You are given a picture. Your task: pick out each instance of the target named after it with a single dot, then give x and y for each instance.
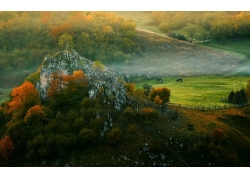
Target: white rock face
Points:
(113, 92)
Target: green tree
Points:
(34, 77)
(66, 41)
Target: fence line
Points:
(208, 107)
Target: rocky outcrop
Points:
(102, 83)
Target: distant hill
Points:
(161, 55)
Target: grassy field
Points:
(198, 90)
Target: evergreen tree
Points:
(238, 99)
(243, 94)
(231, 96)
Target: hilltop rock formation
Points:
(102, 82)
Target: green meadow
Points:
(198, 90)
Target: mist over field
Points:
(162, 56)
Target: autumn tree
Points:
(23, 96)
(35, 116)
(157, 100)
(130, 87)
(6, 147)
(66, 90)
(163, 93)
(56, 83)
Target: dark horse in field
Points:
(159, 80)
(179, 80)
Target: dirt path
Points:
(138, 29)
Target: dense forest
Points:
(26, 37)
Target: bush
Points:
(218, 135)
(114, 136)
(149, 114)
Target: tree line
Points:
(204, 25)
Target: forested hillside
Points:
(204, 25)
(26, 37)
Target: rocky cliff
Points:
(103, 83)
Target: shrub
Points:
(218, 135)
(149, 113)
(114, 136)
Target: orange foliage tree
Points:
(24, 95)
(6, 147)
(157, 100)
(77, 79)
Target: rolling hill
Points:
(160, 55)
